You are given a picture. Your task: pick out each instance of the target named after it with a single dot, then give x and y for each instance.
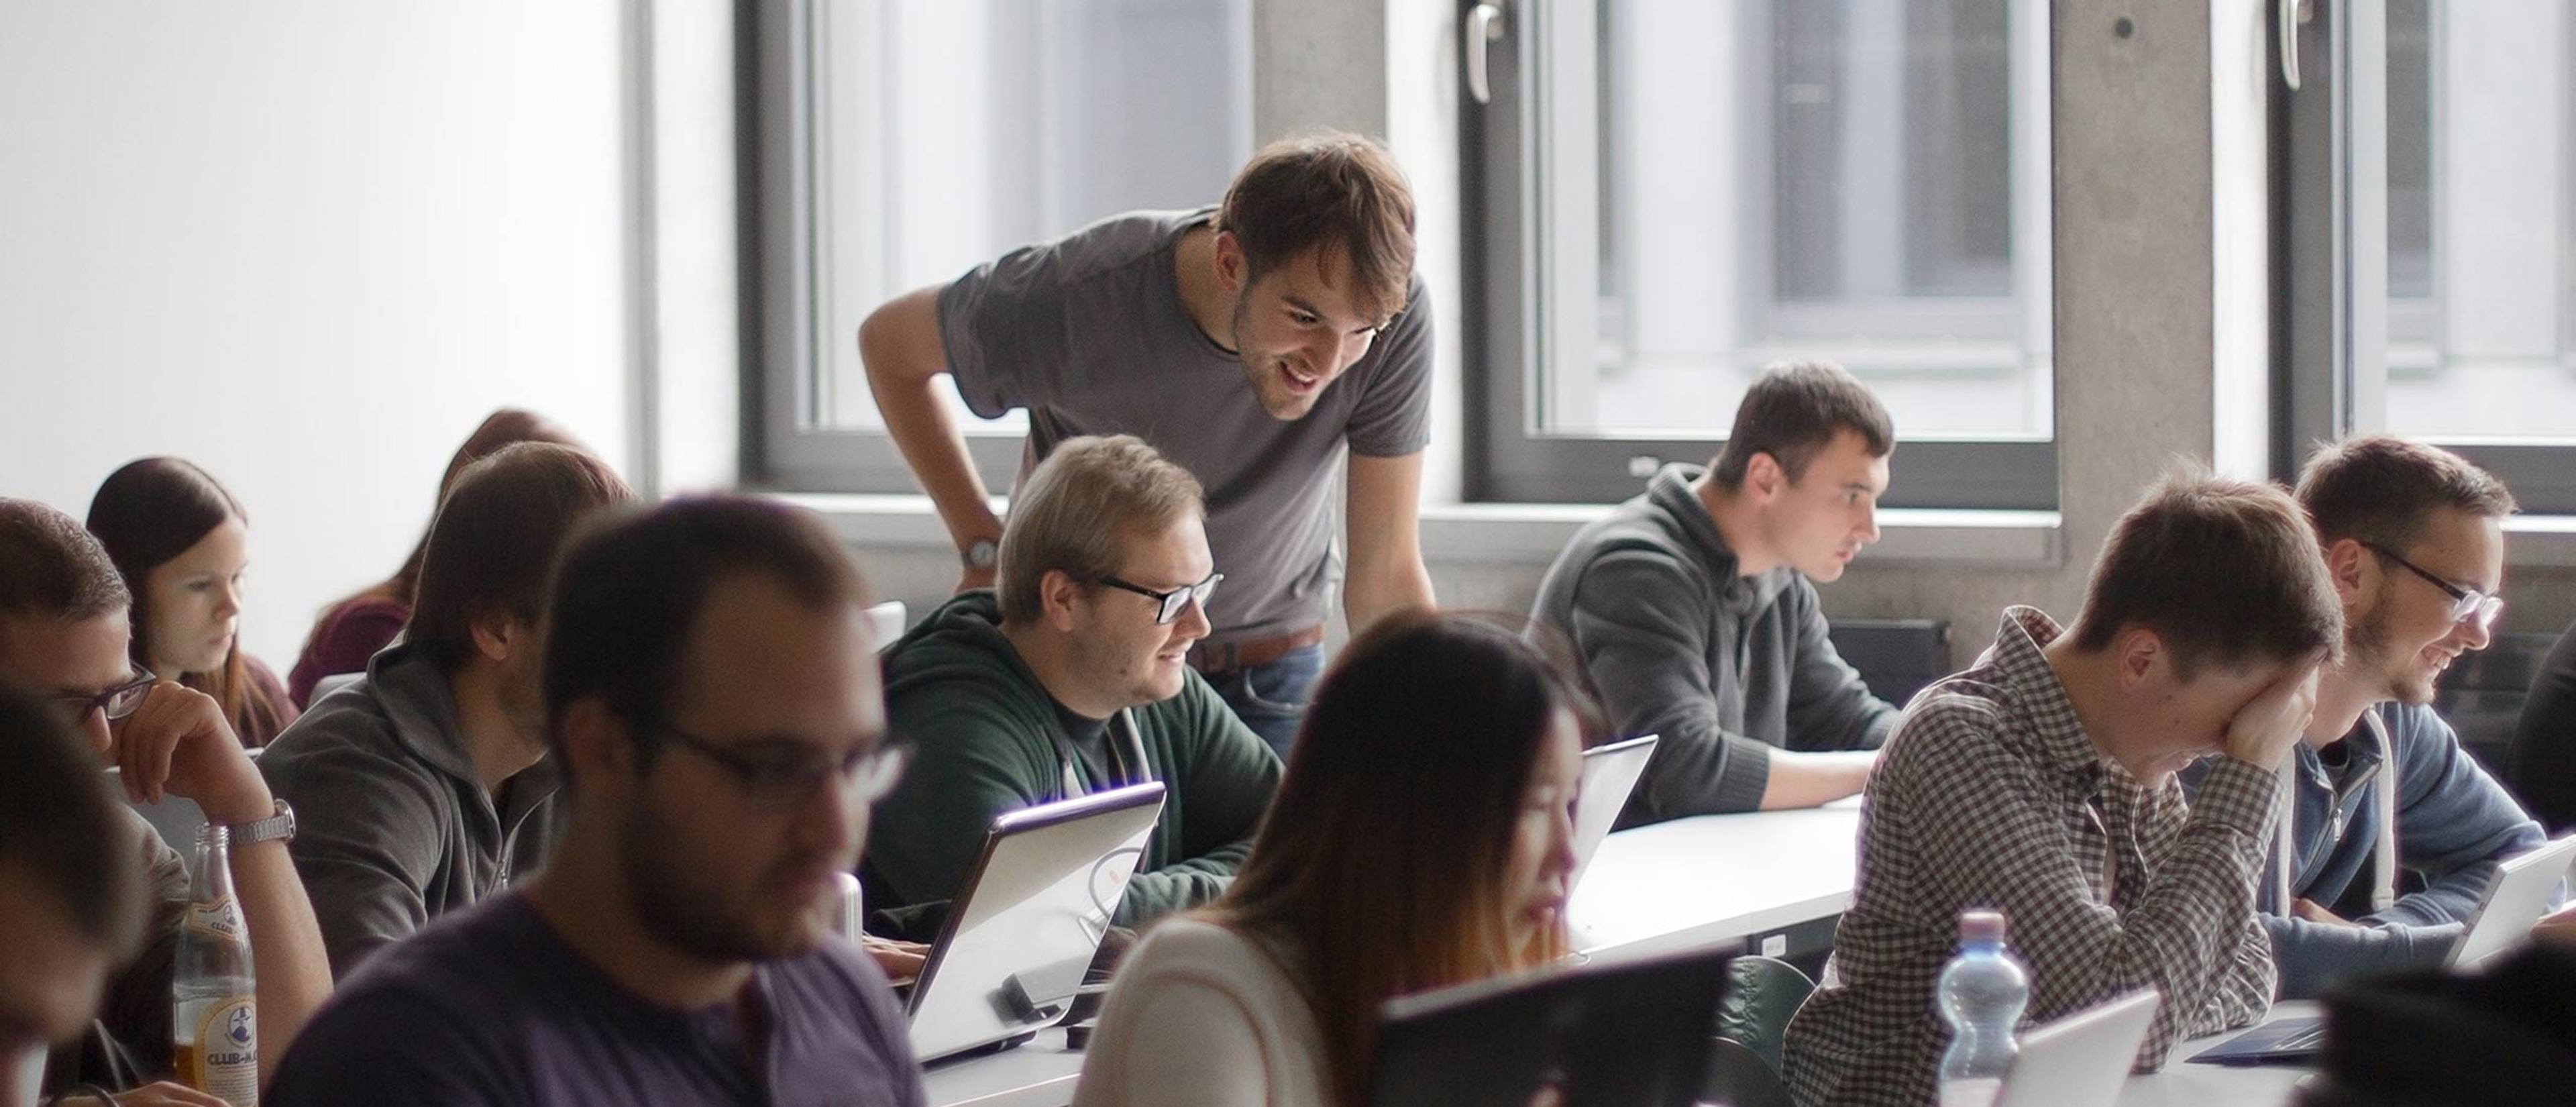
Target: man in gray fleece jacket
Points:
(423, 788)
(1693, 609)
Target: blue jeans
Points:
(1271, 699)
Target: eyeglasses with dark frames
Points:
(866, 775)
(116, 703)
(1169, 605)
(2468, 605)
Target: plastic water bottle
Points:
(1982, 993)
(216, 1025)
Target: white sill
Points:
(2540, 542)
(1535, 532)
(1523, 532)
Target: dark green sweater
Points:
(988, 741)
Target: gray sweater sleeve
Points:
(1640, 625)
(1829, 706)
(2312, 957)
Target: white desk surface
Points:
(1681, 885)
(2183, 1084)
(1669, 887)
(1039, 1074)
(1695, 883)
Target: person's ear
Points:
(1763, 477)
(2138, 654)
(597, 745)
(1233, 269)
(1058, 597)
(2352, 569)
(496, 632)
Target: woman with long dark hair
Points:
(182, 543)
(1423, 837)
(352, 629)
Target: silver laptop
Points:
(2083, 1059)
(1610, 773)
(2516, 896)
(1029, 919)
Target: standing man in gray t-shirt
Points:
(1223, 338)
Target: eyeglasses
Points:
(2468, 605)
(115, 703)
(782, 783)
(1175, 601)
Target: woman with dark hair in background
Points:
(1423, 837)
(351, 630)
(182, 543)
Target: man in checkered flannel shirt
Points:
(2041, 782)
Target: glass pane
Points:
(2481, 217)
(1861, 180)
(952, 131)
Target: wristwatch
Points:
(981, 554)
(279, 827)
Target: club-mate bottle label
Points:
(218, 1049)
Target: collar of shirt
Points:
(2057, 735)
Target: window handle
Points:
(2292, 15)
(1484, 28)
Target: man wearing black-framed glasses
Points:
(1073, 679)
(63, 636)
(712, 702)
(2413, 538)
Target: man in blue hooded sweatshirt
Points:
(2414, 543)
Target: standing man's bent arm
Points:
(1386, 570)
(900, 345)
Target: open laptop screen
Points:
(1029, 919)
(1630, 1034)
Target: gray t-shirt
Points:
(1089, 334)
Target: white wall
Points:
(307, 245)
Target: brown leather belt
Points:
(1212, 658)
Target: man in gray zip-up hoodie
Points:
(1693, 609)
(2414, 543)
(422, 788)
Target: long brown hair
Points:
(148, 512)
(495, 541)
(1381, 864)
(508, 426)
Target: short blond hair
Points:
(1075, 507)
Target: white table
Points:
(1715, 880)
(1671, 887)
(2183, 1084)
(1039, 1074)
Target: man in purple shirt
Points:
(712, 700)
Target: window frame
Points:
(1509, 320)
(784, 280)
(2331, 288)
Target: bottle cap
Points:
(1981, 924)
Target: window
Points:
(1673, 195)
(2450, 128)
(902, 142)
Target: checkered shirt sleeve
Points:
(1991, 795)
